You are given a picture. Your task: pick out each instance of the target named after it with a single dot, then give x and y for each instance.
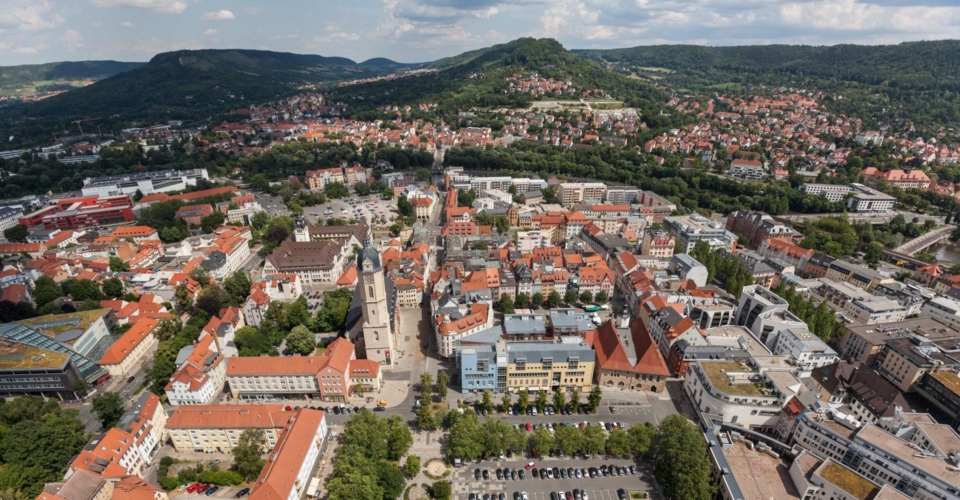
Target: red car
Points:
(530, 466)
(288, 408)
(193, 487)
(203, 488)
(529, 427)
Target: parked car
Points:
(242, 493)
(213, 490)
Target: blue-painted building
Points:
(478, 368)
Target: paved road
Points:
(926, 240)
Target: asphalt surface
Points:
(598, 488)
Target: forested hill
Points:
(476, 79)
(29, 78)
(196, 83)
(917, 81)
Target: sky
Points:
(38, 31)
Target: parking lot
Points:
(354, 207)
(599, 487)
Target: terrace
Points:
(847, 480)
(737, 379)
(24, 357)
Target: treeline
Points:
(695, 190)
(723, 267)
(366, 464)
(820, 319)
(39, 441)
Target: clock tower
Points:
(377, 325)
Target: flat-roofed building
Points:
(84, 332)
(293, 461)
(745, 472)
(916, 462)
(217, 428)
(691, 229)
(578, 192)
(944, 310)
(863, 342)
(868, 200)
(29, 370)
(905, 360)
(806, 349)
(857, 275)
(832, 192)
(550, 366)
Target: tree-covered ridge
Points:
(477, 79)
(915, 81)
(15, 80)
(190, 84)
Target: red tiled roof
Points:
(610, 352)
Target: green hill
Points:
(26, 79)
(196, 83)
(914, 81)
(476, 79)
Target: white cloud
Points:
(163, 6)
(210, 32)
(128, 24)
(28, 15)
(98, 24)
(220, 15)
(72, 39)
(30, 49)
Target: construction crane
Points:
(78, 122)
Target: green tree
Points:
(541, 401)
(441, 490)
(541, 441)
(559, 400)
(465, 442)
(554, 299)
(569, 440)
(505, 304)
(81, 290)
(212, 221)
(404, 207)
(237, 286)
(367, 432)
(87, 305)
(212, 299)
(298, 314)
(336, 190)
(423, 174)
(443, 378)
(117, 265)
(586, 297)
(618, 442)
(522, 300)
(109, 408)
(481, 245)
(301, 341)
(683, 467)
(602, 297)
(399, 438)
(17, 234)
(113, 288)
(641, 438)
(574, 398)
(594, 439)
(424, 417)
(387, 193)
(412, 466)
(80, 388)
(505, 402)
(354, 486)
(247, 454)
(51, 308)
(259, 220)
(487, 402)
(594, 399)
(46, 290)
(523, 401)
(536, 300)
(570, 297)
(426, 383)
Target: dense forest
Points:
(184, 85)
(916, 82)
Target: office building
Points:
(578, 192)
(145, 182)
(868, 200)
(832, 192)
(944, 310)
(765, 314)
(76, 213)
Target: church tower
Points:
(377, 327)
(300, 232)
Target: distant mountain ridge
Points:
(187, 82)
(28, 78)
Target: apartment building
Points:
(806, 349)
(126, 353)
(537, 238)
(746, 169)
(657, 243)
(832, 192)
(617, 195)
(864, 342)
(217, 428)
(200, 374)
(758, 227)
(856, 275)
(319, 179)
(904, 360)
(453, 322)
(903, 179)
(293, 461)
(578, 192)
(944, 310)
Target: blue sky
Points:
(36, 31)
